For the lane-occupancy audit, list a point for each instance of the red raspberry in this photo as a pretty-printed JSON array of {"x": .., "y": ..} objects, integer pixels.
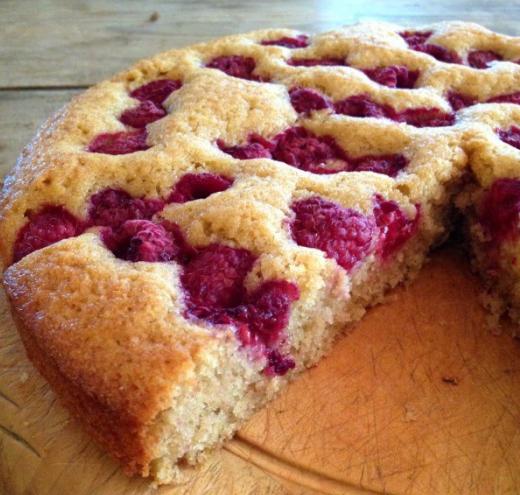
[
  {"x": 300, "y": 41},
  {"x": 499, "y": 210},
  {"x": 459, "y": 100},
  {"x": 425, "y": 117},
  {"x": 415, "y": 38},
  {"x": 113, "y": 207},
  {"x": 119, "y": 143},
  {"x": 142, "y": 115},
  {"x": 511, "y": 136},
  {"x": 394, "y": 76},
  {"x": 49, "y": 225},
  {"x": 508, "y": 98},
  {"x": 417, "y": 41},
  {"x": 389, "y": 165},
  {"x": 480, "y": 59},
  {"x": 305, "y": 100},
  {"x": 341, "y": 233},
  {"x": 302, "y": 149},
  {"x": 311, "y": 62},
  {"x": 395, "y": 228},
  {"x": 257, "y": 147},
  {"x": 198, "y": 186},
  {"x": 236, "y": 66},
  {"x": 156, "y": 91},
  {"x": 278, "y": 364},
  {"x": 362, "y": 106}
]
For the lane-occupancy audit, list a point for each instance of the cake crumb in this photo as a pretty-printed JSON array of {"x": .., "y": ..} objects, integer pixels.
[
  {"x": 450, "y": 380},
  {"x": 154, "y": 17}
]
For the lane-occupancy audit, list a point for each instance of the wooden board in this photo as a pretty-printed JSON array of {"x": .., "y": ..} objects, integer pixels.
[{"x": 420, "y": 399}]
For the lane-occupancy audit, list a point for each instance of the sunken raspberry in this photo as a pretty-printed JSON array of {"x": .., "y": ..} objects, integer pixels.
[
  {"x": 417, "y": 41},
  {"x": 510, "y": 136},
  {"x": 278, "y": 364},
  {"x": 236, "y": 66},
  {"x": 305, "y": 100},
  {"x": 300, "y": 41},
  {"x": 389, "y": 165},
  {"x": 156, "y": 91},
  {"x": 49, "y": 225},
  {"x": 394, "y": 227},
  {"x": 143, "y": 240},
  {"x": 304, "y": 150},
  {"x": 214, "y": 279},
  {"x": 394, "y": 76},
  {"x": 142, "y": 115},
  {"x": 480, "y": 59},
  {"x": 311, "y": 62},
  {"x": 415, "y": 38},
  {"x": 426, "y": 117},
  {"x": 256, "y": 147},
  {"x": 500, "y": 210},
  {"x": 198, "y": 186},
  {"x": 459, "y": 101},
  {"x": 113, "y": 207},
  {"x": 119, "y": 143},
  {"x": 508, "y": 98},
  {"x": 362, "y": 106},
  {"x": 341, "y": 233}
]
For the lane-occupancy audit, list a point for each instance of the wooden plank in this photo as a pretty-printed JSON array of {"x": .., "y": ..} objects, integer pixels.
[
  {"x": 21, "y": 113},
  {"x": 79, "y": 43}
]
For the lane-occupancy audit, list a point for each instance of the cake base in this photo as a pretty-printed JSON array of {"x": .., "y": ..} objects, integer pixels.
[{"x": 420, "y": 398}]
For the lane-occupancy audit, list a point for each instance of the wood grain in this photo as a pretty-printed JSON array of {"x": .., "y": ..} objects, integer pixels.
[
  {"x": 80, "y": 43},
  {"x": 420, "y": 399}
]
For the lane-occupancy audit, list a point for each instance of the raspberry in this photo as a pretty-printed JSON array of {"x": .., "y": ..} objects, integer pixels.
[
  {"x": 198, "y": 186},
  {"x": 257, "y": 147},
  {"x": 236, "y": 66},
  {"x": 214, "y": 279},
  {"x": 145, "y": 113},
  {"x": 305, "y": 100},
  {"x": 143, "y": 240},
  {"x": 49, "y": 225},
  {"x": 341, "y": 233},
  {"x": 508, "y": 98},
  {"x": 302, "y": 149},
  {"x": 480, "y": 59},
  {"x": 113, "y": 207},
  {"x": 394, "y": 76},
  {"x": 311, "y": 62},
  {"x": 500, "y": 210},
  {"x": 425, "y": 117},
  {"x": 394, "y": 227},
  {"x": 362, "y": 106},
  {"x": 415, "y": 38},
  {"x": 459, "y": 100},
  {"x": 278, "y": 364},
  {"x": 156, "y": 91},
  {"x": 511, "y": 136},
  {"x": 119, "y": 143},
  {"x": 389, "y": 165},
  {"x": 300, "y": 41},
  {"x": 417, "y": 41}
]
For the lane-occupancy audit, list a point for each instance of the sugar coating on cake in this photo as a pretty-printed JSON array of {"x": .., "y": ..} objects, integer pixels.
[{"x": 183, "y": 239}]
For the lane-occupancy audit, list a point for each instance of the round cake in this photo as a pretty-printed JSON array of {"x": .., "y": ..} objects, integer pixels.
[{"x": 181, "y": 240}]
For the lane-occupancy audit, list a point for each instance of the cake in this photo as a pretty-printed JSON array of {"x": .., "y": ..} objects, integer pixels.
[{"x": 183, "y": 239}]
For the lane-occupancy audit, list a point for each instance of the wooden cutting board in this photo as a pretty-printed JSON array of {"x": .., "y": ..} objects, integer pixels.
[{"x": 420, "y": 399}]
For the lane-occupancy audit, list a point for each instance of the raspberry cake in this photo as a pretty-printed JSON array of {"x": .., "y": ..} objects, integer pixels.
[{"x": 183, "y": 239}]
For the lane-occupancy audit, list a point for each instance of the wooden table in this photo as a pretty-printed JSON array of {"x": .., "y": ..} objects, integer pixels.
[{"x": 420, "y": 399}]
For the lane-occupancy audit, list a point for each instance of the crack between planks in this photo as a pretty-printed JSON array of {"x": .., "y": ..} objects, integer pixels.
[{"x": 17, "y": 438}]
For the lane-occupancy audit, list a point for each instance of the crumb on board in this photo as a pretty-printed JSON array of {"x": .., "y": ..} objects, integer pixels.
[
  {"x": 450, "y": 380},
  {"x": 154, "y": 17}
]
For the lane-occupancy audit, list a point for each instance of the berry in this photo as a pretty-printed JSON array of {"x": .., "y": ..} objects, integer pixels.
[
  {"x": 311, "y": 62},
  {"x": 480, "y": 59},
  {"x": 49, "y": 225},
  {"x": 198, "y": 186},
  {"x": 302, "y": 149},
  {"x": 113, "y": 207},
  {"x": 425, "y": 117},
  {"x": 415, "y": 38},
  {"x": 394, "y": 227},
  {"x": 156, "y": 91},
  {"x": 143, "y": 240},
  {"x": 236, "y": 66},
  {"x": 417, "y": 41},
  {"x": 389, "y": 165},
  {"x": 500, "y": 209},
  {"x": 145, "y": 113},
  {"x": 394, "y": 76},
  {"x": 119, "y": 143},
  {"x": 362, "y": 106},
  {"x": 511, "y": 136},
  {"x": 305, "y": 100},
  {"x": 459, "y": 100},
  {"x": 343, "y": 234},
  {"x": 278, "y": 364},
  {"x": 508, "y": 98},
  {"x": 257, "y": 147},
  {"x": 300, "y": 41}
]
